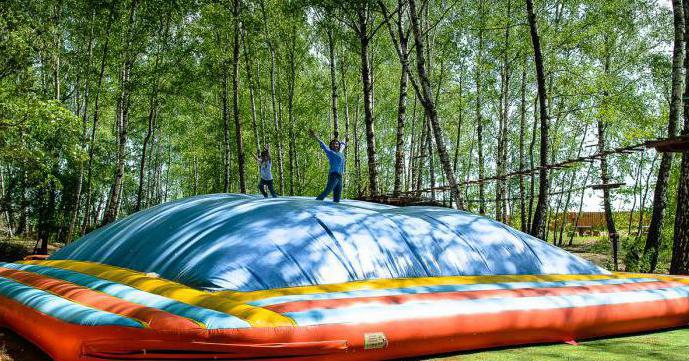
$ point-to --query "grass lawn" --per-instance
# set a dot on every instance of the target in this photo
(660, 346)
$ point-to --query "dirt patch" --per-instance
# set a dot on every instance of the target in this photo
(16, 248)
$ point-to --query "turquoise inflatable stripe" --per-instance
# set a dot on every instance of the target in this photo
(209, 318)
(447, 308)
(443, 288)
(61, 308)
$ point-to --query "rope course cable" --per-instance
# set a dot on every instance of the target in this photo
(662, 145)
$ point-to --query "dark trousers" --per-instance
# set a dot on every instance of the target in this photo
(262, 187)
(334, 185)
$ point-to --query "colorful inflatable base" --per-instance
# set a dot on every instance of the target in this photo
(87, 311)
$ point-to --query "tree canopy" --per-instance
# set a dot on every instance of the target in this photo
(111, 106)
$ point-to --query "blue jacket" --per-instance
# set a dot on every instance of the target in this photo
(336, 159)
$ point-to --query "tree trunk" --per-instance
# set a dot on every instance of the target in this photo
(460, 112)
(276, 118)
(252, 100)
(429, 105)
(501, 166)
(522, 132)
(57, 39)
(607, 206)
(94, 126)
(680, 248)
(261, 108)
(644, 197)
(532, 175)
(123, 102)
(357, 160)
(195, 184)
(333, 81)
(23, 226)
(653, 239)
(5, 206)
(46, 212)
(581, 205)
(291, 79)
(423, 153)
(167, 170)
(235, 98)
(347, 120)
(84, 137)
(413, 154)
(557, 240)
(538, 224)
(637, 187)
(479, 119)
(609, 221)
(152, 114)
(431, 165)
(401, 108)
(226, 126)
(99, 209)
(400, 39)
(366, 81)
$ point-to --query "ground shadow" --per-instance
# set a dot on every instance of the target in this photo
(15, 348)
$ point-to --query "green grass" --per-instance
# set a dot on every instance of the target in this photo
(660, 346)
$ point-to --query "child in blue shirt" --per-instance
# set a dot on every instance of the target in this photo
(264, 170)
(335, 155)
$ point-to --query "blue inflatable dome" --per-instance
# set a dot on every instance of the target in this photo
(245, 243)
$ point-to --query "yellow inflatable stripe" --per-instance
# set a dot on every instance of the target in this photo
(680, 279)
(233, 302)
(410, 282)
(256, 316)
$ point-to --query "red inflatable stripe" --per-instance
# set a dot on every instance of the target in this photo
(405, 338)
(299, 306)
(152, 317)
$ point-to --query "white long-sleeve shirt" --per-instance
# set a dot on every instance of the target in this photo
(264, 169)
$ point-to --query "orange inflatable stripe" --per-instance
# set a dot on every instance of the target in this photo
(150, 317)
(404, 338)
(300, 306)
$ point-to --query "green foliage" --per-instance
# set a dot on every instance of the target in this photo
(181, 50)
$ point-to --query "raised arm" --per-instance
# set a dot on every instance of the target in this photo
(323, 145)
